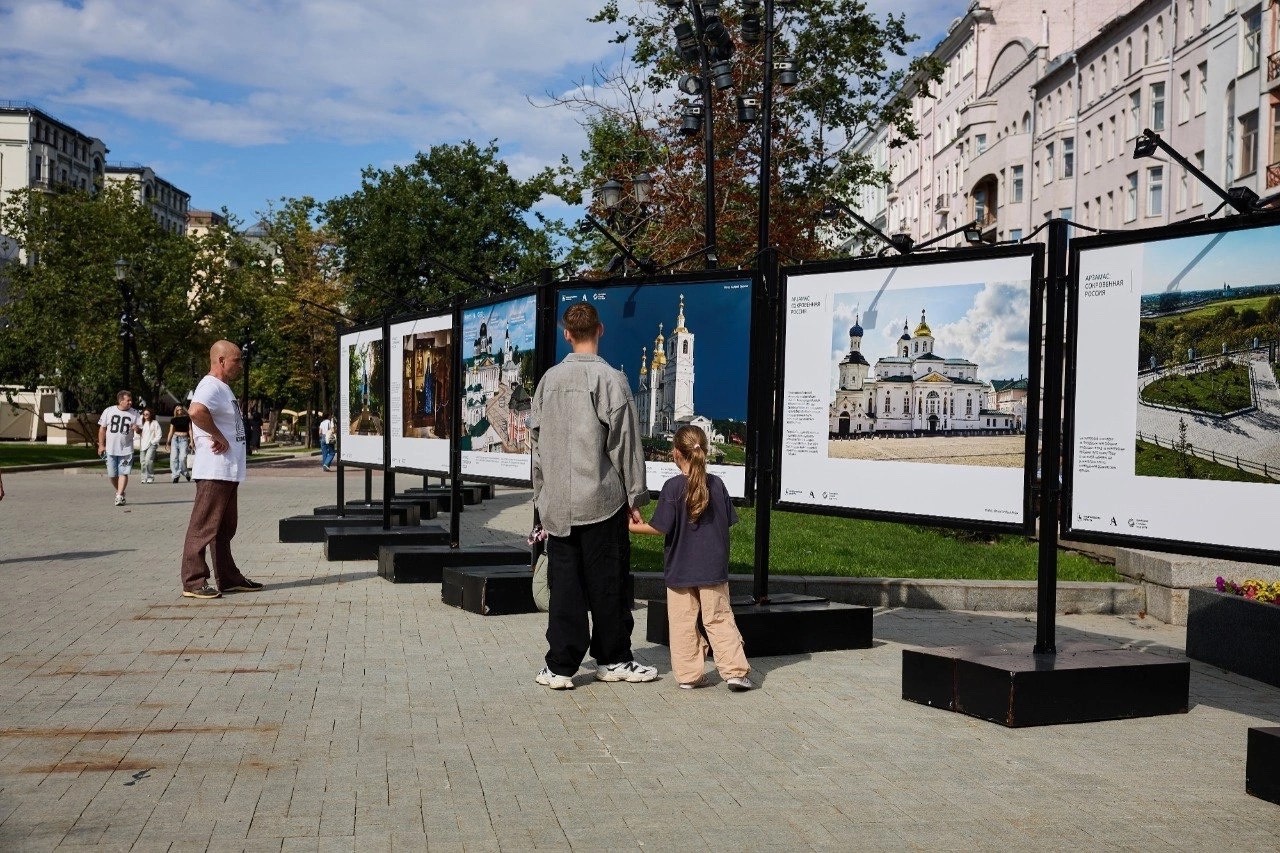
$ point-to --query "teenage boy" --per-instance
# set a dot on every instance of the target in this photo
(588, 482)
(115, 439)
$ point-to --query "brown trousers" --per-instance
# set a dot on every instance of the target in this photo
(214, 517)
(688, 652)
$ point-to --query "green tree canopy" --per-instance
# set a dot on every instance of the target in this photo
(416, 235)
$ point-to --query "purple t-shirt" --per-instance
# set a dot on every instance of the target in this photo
(695, 554)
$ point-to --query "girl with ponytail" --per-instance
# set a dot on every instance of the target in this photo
(694, 514)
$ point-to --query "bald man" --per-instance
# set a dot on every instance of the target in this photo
(219, 468)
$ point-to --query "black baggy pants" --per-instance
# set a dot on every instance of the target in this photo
(587, 571)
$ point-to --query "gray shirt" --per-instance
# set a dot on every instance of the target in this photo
(587, 458)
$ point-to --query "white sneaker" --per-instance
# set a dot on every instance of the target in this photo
(739, 684)
(630, 671)
(547, 678)
(693, 685)
(119, 500)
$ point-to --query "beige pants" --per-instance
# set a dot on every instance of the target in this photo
(688, 652)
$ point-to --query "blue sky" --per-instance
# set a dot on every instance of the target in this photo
(986, 323)
(241, 102)
(717, 313)
(1238, 258)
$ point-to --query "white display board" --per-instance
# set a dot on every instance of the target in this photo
(360, 419)
(497, 349)
(422, 361)
(684, 349)
(906, 390)
(1175, 411)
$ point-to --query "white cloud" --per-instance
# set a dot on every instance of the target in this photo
(992, 334)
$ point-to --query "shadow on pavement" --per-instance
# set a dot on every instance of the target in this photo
(341, 577)
(67, 555)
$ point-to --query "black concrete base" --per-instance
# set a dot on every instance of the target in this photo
(311, 528)
(413, 511)
(1011, 685)
(471, 495)
(489, 590)
(1234, 633)
(1262, 765)
(426, 563)
(787, 625)
(428, 507)
(362, 543)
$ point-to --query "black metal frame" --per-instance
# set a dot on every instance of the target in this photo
(1146, 235)
(1036, 254)
(756, 370)
(456, 331)
(460, 374)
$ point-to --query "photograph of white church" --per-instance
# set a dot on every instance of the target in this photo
(498, 377)
(911, 382)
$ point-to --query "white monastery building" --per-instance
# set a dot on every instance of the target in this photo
(914, 390)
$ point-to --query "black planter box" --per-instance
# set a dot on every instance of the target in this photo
(1262, 766)
(362, 543)
(427, 506)
(1234, 633)
(311, 528)
(413, 511)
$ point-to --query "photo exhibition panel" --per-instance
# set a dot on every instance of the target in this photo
(1175, 412)
(363, 411)
(906, 389)
(684, 349)
(497, 389)
(422, 394)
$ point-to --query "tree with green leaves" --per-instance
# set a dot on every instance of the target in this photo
(853, 77)
(415, 236)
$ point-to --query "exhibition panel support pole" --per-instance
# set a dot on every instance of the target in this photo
(455, 447)
(368, 485)
(1051, 437)
(388, 479)
(766, 329)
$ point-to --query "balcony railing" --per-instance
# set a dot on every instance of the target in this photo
(1273, 66)
(1273, 175)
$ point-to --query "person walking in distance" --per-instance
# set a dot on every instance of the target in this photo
(116, 429)
(588, 481)
(328, 438)
(150, 444)
(219, 469)
(179, 444)
(695, 513)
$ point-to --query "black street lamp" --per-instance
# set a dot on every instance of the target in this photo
(126, 319)
(623, 221)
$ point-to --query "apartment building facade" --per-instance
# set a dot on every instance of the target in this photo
(1038, 112)
(168, 204)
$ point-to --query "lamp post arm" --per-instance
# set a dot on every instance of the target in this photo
(1246, 202)
(645, 265)
(945, 235)
(888, 241)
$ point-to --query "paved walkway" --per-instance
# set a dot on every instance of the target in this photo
(337, 711)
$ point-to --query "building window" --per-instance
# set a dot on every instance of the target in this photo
(1015, 194)
(1146, 46)
(1202, 86)
(1064, 213)
(1155, 191)
(1135, 114)
(1249, 143)
(1068, 157)
(1048, 163)
(1111, 138)
(1157, 107)
(1131, 197)
(1088, 150)
(981, 141)
(1015, 233)
(1195, 188)
(1251, 44)
(1180, 195)
(1275, 134)
(1184, 97)
(1128, 57)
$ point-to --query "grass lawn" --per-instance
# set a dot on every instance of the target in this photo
(823, 545)
(1153, 461)
(14, 453)
(1221, 390)
(1210, 311)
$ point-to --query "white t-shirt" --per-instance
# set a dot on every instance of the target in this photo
(217, 396)
(325, 426)
(119, 423)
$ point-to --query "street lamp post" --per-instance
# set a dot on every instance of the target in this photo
(126, 319)
(626, 223)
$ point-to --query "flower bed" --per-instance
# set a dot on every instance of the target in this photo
(1268, 593)
(1235, 631)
